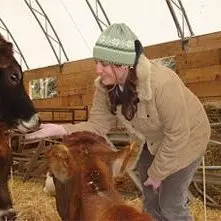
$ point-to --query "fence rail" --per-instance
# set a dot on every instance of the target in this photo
(53, 114)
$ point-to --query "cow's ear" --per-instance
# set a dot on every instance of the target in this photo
(125, 158)
(60, 162)
(6, 52)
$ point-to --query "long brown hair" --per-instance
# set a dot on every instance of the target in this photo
(128, 98)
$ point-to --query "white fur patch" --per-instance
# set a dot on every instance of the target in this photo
(4, 212)
(60, 172)
(117, 164)
(49, 187)
(59, 162)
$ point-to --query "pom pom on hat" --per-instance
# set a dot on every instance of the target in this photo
(116, 45)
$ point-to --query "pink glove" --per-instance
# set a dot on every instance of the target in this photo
(154, 183)
(47, 130)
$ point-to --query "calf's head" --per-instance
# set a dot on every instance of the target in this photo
(85, 165)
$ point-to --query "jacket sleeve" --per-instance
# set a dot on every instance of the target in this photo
(172, 111)
(100, 120)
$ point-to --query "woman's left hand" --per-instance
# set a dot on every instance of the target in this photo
(151, 182)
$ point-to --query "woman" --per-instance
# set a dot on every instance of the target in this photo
(157, 109)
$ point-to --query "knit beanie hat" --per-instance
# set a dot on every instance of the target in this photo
(116, 45)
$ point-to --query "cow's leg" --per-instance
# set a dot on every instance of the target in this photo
(6, 210)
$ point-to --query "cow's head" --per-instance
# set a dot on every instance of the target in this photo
(85, 164)
(16, 108)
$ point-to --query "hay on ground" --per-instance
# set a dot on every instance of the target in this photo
(33, 204)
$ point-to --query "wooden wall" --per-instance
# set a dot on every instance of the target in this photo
(199, 68)
(75, 82)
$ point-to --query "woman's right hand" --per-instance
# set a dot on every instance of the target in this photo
(47, 130)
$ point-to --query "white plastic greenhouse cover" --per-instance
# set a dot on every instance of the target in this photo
(78, 30)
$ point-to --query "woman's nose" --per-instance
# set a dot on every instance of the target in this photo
(99, 68)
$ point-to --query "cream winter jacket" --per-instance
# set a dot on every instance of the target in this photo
(170, 118)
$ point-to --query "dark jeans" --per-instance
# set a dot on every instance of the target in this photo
(169, 202)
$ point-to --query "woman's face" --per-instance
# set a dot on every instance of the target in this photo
(111, 74)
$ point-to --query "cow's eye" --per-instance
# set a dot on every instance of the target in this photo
(14, 77)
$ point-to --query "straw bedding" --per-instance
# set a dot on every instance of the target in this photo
(33, 204)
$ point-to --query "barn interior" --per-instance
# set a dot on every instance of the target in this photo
(63, 93)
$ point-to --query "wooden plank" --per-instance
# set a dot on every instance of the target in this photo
(198, 75)
(205, 42)
(197, 43)
(64, 117)
(211, 101)
(163, 50)
(75, 83)
(79, 66)
(33, 160)
(88, 96)
(206, 89)
(51, 102)
(85, 76)
(42, 72)
(198, 59)
(64, 101)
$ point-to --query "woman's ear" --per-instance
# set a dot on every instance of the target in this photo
(125, 69)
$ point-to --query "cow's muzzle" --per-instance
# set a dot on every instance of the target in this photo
(31, 125)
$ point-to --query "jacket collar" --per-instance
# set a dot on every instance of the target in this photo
(143, 70)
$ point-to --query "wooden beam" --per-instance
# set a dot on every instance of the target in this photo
(197, 43)
(198, 59)
(199, 75)
(206, 90)
(79, 66)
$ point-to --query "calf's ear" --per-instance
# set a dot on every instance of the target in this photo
(125, 158)
(60, 162)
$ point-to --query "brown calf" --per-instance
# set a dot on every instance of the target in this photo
(84, 168)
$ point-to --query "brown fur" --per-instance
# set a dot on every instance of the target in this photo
(5, 165)
(4, 145)
(124, 213)
(84, 182)
(6, 52)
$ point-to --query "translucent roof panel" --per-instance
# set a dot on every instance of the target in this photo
(78, 30)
